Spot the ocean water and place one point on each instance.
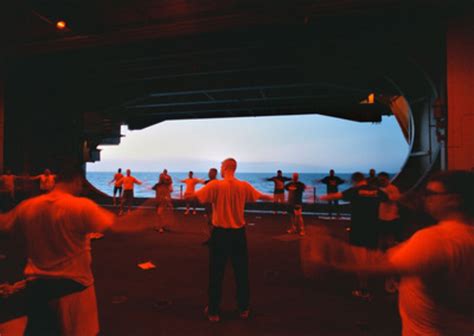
(101, 181)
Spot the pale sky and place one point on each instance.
(310, 143)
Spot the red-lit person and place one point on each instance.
(117, 185)
(55, 227)
(332, 183)
(389, 217)
(164, 206)
(128, 183)
(212, 175)
(296, 189)
(365, 201)
(190, 190)
(436, 264)
(7, 188)
(47, 181)
(228, 238)
(279, 189)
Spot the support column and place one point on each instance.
(2, 123)
(460, 89)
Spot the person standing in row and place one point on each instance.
(212, 174)
(228, 239)
(128, 182)
(117, 186)
(389, 217)
(332, 183)
(365, 200)
(164, 206)
(7, 190)
(279, 190)
(295, 204)
(47, 181)
(189, 192)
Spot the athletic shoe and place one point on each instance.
(186, 212)
(302, 233)
(194, 212)
(245, 314)
(291, 231)
(212, 318)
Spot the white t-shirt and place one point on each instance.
(228, 198)
(191, 185)
(127, 182)
(437, 295)
(55, 227)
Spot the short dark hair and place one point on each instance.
(458, 182)
(383, 174)
(357, 177)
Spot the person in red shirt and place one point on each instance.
(128, 183)
(117, 186)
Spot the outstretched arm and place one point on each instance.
(331, 197)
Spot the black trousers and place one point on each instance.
(228, 244)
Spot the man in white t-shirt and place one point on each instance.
(189, 192)
(56, 227)
(228, 239)
(436, 265)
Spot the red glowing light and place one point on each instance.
(61, 25)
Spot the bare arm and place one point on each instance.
(331, 197)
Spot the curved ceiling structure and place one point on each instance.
(142, 62)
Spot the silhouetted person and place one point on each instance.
(128, 182)
(228, 241)
(117, 185)
(212, 176)
(189, 192)
(436, 264)
(295, 203)
(389, 217)
(332, 183)
(372, 178)
(164, 206)
(279, 190)
(365, 200)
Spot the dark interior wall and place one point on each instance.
(42, 116)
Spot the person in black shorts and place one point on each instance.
(332, 183)
(279, 191)
(365, 200)
(295, 204)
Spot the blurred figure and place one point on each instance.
(164, 206)
(47, 181)
(189, 192)
(128, 182)
(436, 264)
(228, 241)
(332, 183)
(60, 285)
(372, 178)
(167, 179)
(117, 185)
(365, 200)
(295, 204)
(212, 176)
(279, 190)
(389, 217)
(7, 190)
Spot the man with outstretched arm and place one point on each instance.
(228, 238)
